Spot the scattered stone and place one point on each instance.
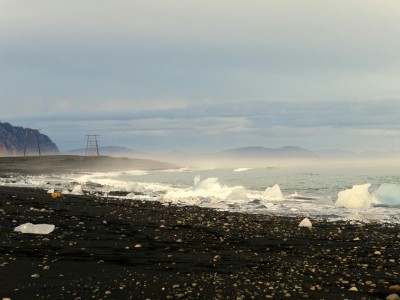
(393, 297)
(353, 289)
(394, 288)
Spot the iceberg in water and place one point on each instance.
(273, 193)
(35, 229)
(238, 193)
(356, 197)
(388, 194)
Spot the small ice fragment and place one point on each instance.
(35, 229)
(305, 223)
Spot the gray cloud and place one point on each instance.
(352, 124)
(203, 73)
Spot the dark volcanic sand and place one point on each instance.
(112, 249)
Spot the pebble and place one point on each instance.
(394, 288)
(393, 297)
(353, 289)
(35, 275)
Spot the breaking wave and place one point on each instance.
(356, 203)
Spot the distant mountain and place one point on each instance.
(270, 153)
(13, 140)
(108, 151)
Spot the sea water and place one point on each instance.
(361, 194)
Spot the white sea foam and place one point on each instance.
(253, 191)
(241, 169)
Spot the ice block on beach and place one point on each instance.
(35, 229)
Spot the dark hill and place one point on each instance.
(13, 140)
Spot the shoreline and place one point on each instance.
(106, 248)
(59, 164)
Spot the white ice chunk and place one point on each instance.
(273, 193)
(305, 223)
(77, 190)
(356, 197)
(238, 193)
(35, 229)
(388, 194)
(356, 216)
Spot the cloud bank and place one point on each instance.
(203, 74)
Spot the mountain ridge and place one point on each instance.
(17, 141)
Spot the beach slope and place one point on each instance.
(105, 248)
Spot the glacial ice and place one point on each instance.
(305, 223)
(35, 229)
(238, 193)
(356, 197)
(388, 194)
(273, 193)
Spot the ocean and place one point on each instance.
(356, 194)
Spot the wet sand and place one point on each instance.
(113, 249)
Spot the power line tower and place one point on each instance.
(92, 145)
(28, 135)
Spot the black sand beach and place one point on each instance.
(118, 249)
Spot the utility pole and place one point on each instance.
(28, 132)
(37, 140)
(92, 145)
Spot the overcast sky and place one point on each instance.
(158, 75)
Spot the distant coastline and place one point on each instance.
(74, 163)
